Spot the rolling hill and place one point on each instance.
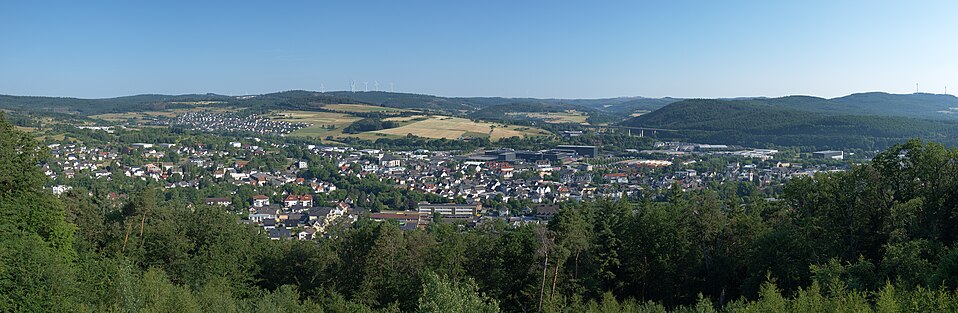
(918, 105)
(758, 123)
(100, 106)
(923, 105)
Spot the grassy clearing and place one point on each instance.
(455, 127)
(362, 108)
(40, 135)
(318, 120)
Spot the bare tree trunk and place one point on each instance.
(576, 274)
(129, 228)
(555, 278)
(542, 289)
(142, 220)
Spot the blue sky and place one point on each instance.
(552, 49)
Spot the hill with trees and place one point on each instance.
(100, 106)
(918, 105)
(759, 123)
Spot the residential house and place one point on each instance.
(294, 200)
(260, 201)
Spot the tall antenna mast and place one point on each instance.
(916, 88)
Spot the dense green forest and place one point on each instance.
(757, 123)
(880, 237)
(369, 124)
(918, 105)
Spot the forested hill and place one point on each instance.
(918, 105)
(758, 123)
(97, 106)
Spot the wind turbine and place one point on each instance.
(376, 84)
(365, 86)
(352, 86)
(322, 88)
(391, 87)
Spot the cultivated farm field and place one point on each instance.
(436, 126)
(318, 120)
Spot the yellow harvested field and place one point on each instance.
(455, 127)
(361, 108)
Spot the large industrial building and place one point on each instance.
(447, 209)
(829, 154)
(583, 151)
